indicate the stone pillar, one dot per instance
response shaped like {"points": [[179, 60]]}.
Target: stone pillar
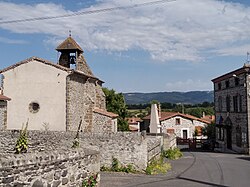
{"points": [[155, 126]]}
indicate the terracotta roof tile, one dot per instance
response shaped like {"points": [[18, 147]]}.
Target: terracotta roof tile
{"points": [[168, 115], [105, 113], [69, 43]]}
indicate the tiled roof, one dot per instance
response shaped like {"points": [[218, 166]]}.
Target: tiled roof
{"points": [[209, 118], [168, 115], [4, 98], [105, 113], [70, 71], [69, 43], [163, 115], [134, 120]]}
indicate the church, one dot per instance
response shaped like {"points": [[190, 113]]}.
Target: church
{"points": [[56, 97]]}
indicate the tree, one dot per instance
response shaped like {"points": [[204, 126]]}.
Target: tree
{"points": [[209, 131], [115, 103]]}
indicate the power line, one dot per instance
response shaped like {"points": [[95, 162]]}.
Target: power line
{"points": [[86, 12]]}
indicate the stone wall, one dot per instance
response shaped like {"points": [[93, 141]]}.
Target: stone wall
{"points": [[3, 115], [237, 118], [154, 146], [50, 161], [104, 124], [83, 95], [128, 148], [80, 102]]}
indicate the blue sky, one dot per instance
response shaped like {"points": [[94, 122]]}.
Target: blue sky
{"points": [[171, 46]]}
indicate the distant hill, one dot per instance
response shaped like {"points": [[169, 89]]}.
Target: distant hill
{"points": [[192, 97]]}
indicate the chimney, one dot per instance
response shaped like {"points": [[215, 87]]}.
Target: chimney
{"points": [[203, 114]]}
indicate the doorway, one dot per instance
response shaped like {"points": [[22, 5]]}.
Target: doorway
{"points": [[229, 138], [184, 134]]}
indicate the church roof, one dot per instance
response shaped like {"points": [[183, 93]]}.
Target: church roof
{"points": [[70, 71], [69, 43]]}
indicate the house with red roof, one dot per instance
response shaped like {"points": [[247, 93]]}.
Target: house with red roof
{"points": [[59, 95], [182, 125], [134, 123]]}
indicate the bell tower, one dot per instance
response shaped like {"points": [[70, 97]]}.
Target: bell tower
{"points": [[72, 53]]}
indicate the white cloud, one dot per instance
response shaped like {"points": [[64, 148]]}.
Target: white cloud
{"points": [[180, 30], [189, 85], [12, 41]]}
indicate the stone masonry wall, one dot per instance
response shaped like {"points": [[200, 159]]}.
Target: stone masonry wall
{"points": [[3, 114], [237, 118], [80, 102], [103, 124], [83, 95], [128, 148], [50, 161]]}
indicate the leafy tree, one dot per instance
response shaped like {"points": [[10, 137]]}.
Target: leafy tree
{"points": [[115, 103], [209, 131]]}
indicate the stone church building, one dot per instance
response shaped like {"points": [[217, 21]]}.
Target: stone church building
{"points": [[56, 96]]}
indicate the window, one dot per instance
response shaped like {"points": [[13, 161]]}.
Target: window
{"points": [[219, 86], [244, 137], [227, 84], [177, 121], [236, 81], [240, 103], [220, 104], [235, 103], [34, 107], [220, 133], [198, 129], [228, 103]]}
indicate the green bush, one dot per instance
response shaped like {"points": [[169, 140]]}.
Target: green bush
{"points": [[90, 182], [158, 167], [22, 141], [172, 154], [116, 167]]}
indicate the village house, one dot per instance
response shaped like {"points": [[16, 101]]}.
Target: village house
{"points": [[56, 96], [134, 123], [182, 125], [232, 109]]}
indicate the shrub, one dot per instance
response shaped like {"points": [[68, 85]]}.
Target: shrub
{"points": [[115, 166], [90, 182], [22, 141], [172, 154], [158, 167]]}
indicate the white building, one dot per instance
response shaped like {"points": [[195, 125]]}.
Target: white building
{"points": [[182, 125], [56, 96]]}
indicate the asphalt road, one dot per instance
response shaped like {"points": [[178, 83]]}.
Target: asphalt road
{"points": [[193, 169]]}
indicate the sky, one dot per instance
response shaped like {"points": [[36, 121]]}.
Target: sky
{"points": [[171, 45]]}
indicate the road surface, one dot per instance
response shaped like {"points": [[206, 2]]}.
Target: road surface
{"points": [[193, 169]]}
